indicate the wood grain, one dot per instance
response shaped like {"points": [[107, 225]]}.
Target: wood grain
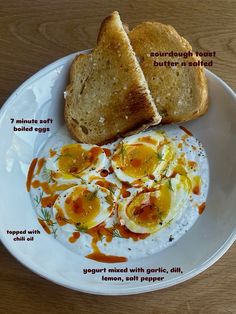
{"points": [[35, 33]]}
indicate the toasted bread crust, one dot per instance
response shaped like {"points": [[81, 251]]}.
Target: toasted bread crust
{"points": [[108, 95], [180, 94]]}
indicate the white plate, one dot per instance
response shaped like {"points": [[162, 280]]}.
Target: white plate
{"points": [[41, 97]]}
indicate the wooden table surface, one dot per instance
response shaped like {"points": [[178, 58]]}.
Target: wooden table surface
{"points": [[35, 33]]}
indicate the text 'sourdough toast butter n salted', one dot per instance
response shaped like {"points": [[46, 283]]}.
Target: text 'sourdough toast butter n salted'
{"points": [[180, 92]]}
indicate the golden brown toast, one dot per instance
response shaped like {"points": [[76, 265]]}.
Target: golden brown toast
{"points": [[180, 92], [108, 95]]}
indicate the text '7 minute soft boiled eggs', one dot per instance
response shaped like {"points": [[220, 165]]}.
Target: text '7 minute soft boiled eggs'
{"points": [[122, 201]]}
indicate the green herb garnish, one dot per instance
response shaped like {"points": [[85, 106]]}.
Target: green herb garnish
{"points": [[170, 185], [64, 155], [111, 189], [159, 156], [80, 228], [46, 174], [46, 217], [37, 199], [92, 195], [116, 234]]}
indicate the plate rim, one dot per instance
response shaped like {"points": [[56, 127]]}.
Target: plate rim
{"points": [[106, 289]]}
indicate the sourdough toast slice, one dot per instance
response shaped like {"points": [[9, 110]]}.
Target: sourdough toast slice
{"points": [[108, 95], [180, 92]]}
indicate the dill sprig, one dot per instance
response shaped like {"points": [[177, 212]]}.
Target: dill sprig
{"points": [[170, 185], [63, 155], [46, 174], [37, 199], [102, 237], [92, 195], [80, 228], [116, 234], [111, 189], [164, 172], [46, 217], [159, 156]]}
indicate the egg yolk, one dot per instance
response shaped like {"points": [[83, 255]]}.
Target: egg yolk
{"points": [[82, 206], [150, 208], [74, 159], [137, 160]]}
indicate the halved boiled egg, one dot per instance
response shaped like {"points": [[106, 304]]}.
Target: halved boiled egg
{"points": [[149, 211], [75, 160], [83, 206], [138, 159]]}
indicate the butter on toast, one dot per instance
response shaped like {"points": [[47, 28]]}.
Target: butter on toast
{"points": [[180, 92], [108, 95]]}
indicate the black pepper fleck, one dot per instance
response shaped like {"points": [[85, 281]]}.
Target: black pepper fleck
{"points": [[171, 238]]}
